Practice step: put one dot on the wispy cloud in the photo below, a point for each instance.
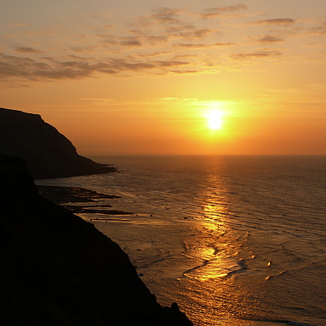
(160, 16)
(196, 33)
(255, 55)
(77, 68)
(201, 45)
(160, 28)
(155, 54)
(318, 30)
(167, 40)
(25, 49)
(167, 16)
(83, 49)
(166, 24)
(275, 21)
(130, 41)
(217, 11)
(270, 39)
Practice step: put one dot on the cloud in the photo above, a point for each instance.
(157, 35)
(165, 24)
(81, 49)
(256, 55)
(319, 30)
(182, 72)
(276, 21)
(167, 16)
(154, 54)
(213, 12)
(270, 39)
(27, 68)
(163, 27)
(108, 26)
(180, 29)
(156, 39)
(107, 37)
(200, 46)
(165, 41)
(160, 16)
(78, 68)
(196, 33)
(130, 41)
(25, 49)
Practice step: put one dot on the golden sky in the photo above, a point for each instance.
(175, 77)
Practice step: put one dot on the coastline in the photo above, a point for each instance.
(60, 270)
(80, 200)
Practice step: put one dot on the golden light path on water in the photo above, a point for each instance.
(216, 291)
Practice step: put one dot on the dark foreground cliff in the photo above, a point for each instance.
(48, 153)
(57, 269)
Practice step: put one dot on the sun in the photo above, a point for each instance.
(215, 120)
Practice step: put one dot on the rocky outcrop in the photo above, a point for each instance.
(58, 270)
(48, 153)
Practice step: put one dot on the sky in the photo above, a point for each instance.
(170, 77)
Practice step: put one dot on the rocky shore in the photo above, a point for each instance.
(80, 200)
(58, 269)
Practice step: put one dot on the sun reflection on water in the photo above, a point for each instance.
(220, 253)
(217, 256)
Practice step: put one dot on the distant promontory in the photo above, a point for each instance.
(48, 153)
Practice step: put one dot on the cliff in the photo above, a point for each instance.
(57, 269)
(48, 153)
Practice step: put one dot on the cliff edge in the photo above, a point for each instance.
(48, 153)
(59, 270)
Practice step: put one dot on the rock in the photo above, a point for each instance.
(48, 153)
(57, 269)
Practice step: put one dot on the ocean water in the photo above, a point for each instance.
(234, 240)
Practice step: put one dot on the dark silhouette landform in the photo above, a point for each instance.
(59, 270)
(88, 201)
(48, 153)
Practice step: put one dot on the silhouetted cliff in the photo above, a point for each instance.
(48, 153)
(58, 270)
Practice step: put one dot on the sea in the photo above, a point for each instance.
(234, 240)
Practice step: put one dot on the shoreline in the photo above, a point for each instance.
(59, 269)
(80, 200)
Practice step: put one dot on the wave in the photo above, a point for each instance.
(214, 268)
(278, 274)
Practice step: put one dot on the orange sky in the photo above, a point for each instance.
(137, 78)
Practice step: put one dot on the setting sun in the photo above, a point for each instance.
(215, 119)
